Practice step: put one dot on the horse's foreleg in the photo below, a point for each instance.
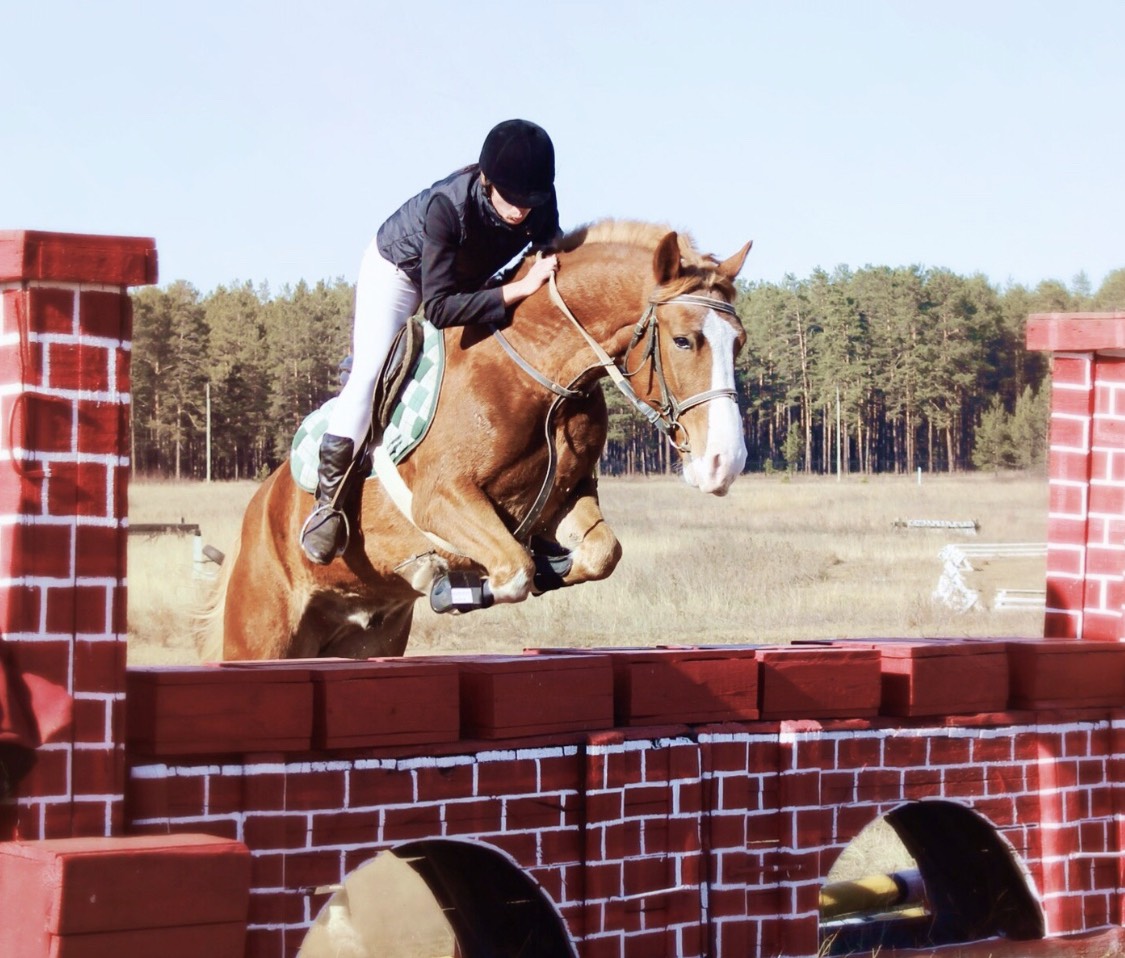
(466, 519)
(584, 533)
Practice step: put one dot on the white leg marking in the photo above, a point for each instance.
(516, 589)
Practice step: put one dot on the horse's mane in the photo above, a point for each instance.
(698, 269)
(620, 233)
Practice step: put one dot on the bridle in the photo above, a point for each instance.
(665, 417)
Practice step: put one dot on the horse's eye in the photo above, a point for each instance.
(681, 342)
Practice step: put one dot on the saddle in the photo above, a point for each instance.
(405, 349)
(403, 405)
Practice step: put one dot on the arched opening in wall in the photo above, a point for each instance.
(438, 899)
(926, 874)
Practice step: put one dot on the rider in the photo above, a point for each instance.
(439, 249)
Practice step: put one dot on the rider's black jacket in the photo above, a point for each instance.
(450, 241)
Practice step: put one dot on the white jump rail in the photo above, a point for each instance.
(1016, 599)
(953, 591)
(968, 526)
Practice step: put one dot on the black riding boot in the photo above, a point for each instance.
(325, 532)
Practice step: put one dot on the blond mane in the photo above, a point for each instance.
(621, 233)
(699, 272)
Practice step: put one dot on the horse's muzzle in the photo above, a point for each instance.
(714, 473)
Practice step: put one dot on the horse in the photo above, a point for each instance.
(504, 483)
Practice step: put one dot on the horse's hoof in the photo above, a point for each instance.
(459, 592)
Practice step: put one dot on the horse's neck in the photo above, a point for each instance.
(605, 298)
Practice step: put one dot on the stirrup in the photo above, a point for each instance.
(331, 511)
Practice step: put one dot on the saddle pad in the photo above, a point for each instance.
(409, 423)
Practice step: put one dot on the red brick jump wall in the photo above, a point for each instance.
(1086, 534)
(703, 826)
(65, 330)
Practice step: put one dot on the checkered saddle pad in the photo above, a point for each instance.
(408, 424)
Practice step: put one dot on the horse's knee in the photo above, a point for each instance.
(592, 544)
(595, 557)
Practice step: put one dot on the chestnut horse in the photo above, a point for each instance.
(509, 460)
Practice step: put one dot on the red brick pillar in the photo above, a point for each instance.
(1086, 517)
(65, 331)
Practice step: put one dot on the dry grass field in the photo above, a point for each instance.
(778, 559)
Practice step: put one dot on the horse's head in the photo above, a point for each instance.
(695, 338)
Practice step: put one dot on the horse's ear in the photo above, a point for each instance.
(730, 268)
(666, 259)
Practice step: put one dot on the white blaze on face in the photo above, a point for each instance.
(716, 467)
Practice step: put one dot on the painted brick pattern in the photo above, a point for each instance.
(742, 831)
(65, 330)
(1086, 528)
(709, 843)
(1105, 532)
(1068, 493)
(644, 852)
(310, 823)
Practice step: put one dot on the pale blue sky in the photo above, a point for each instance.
(266, 141)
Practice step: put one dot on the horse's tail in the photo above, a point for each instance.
(208, 620)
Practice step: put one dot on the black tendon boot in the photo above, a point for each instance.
(325, 532)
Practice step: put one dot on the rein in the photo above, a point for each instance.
(665, 418)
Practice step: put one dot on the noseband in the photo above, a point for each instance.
(646, 333)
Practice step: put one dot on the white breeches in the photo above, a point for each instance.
(385, 299)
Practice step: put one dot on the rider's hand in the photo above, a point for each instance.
(540, 271)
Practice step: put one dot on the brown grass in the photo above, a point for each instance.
(777, 560)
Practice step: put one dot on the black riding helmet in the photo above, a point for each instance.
(518, 158)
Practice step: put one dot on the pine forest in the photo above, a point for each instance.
(873, 370)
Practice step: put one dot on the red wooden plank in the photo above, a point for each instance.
(78, 889)
(386, 702)
(524, 695)
(819, 682)
(77, 258)
(1076, 332)
(1063, 673)
(942, 677)
(684, 686)
(199, 710)
(189, 941)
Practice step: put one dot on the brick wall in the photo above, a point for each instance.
(65, 329)
(1086, 530)
(688, 838)
(715, 843)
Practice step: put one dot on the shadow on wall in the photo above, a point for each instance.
(438, 898)
(33, 711)
(968, 884)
